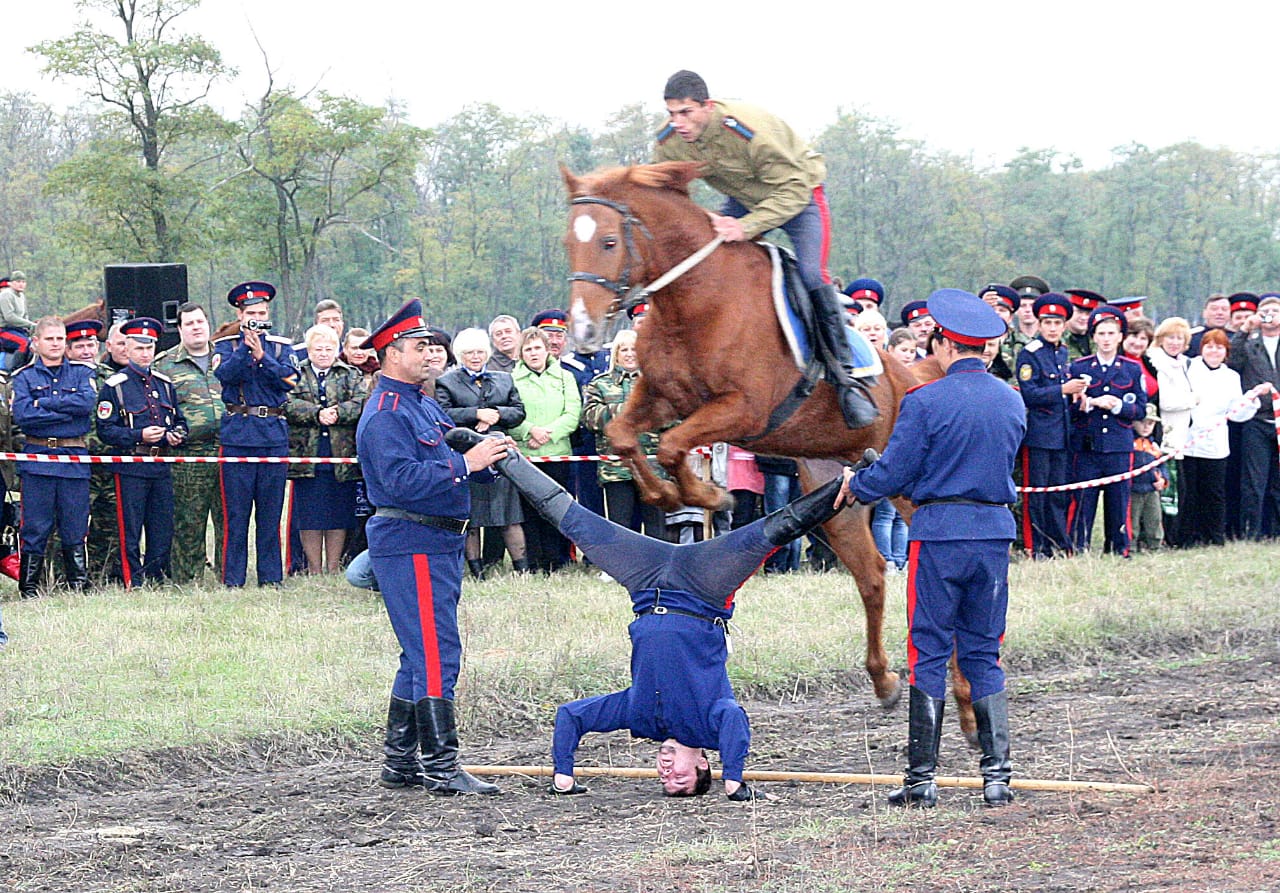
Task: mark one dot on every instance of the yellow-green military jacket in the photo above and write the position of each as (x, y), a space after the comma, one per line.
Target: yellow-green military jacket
(753, 157)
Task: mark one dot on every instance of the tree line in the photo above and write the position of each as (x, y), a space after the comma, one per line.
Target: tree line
(327, 196)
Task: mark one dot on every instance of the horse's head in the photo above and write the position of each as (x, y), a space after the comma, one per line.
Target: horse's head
(609, 244)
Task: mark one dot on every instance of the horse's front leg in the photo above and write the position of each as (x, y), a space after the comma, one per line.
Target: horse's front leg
(721, 419)
(624, 439)
(964, 702)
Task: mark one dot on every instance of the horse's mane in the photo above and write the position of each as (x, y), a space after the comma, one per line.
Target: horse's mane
(675, 175)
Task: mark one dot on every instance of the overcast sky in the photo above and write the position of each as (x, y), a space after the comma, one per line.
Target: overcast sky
(978, 79)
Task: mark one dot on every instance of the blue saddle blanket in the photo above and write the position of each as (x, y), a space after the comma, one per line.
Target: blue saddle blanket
(866, 360)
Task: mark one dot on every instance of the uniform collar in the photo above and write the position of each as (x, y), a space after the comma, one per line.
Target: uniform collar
(400, 387)
(138, 370)
(967, 364)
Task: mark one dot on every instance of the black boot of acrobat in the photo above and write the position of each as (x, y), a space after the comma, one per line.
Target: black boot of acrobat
(75, 563)
(992, 714)
(799, 516)
(401, 767)
(549, 498)
(925, 735)
(856, 404)
(438, 740)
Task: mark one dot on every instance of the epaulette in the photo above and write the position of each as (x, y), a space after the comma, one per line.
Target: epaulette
(1033, 345)
(280, 339)
(92, 367)
(31, 362)
(1128, 359)
(572, 362)
(235, 337)
(160, 375)
(665, 132)
(739, 128)
(1197, 330)
(383, 402)
(118, 379)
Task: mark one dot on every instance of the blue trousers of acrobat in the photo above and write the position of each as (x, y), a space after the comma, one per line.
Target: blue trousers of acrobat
(421, 594)
(1088, 466)
(47, 499)
(957, 598)
(713, 569)
(810, 234)
(251, 488)
(1047, 512)
(145, 503)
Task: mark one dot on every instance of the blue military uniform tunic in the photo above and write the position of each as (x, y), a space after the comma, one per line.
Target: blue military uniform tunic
(53, 403)
(408, 467)
(1102, 445)
(132, 400)
(952, 453)
(255, 392)
(1042, 369)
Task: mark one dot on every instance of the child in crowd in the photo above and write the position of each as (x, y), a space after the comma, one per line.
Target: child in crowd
(1148, 529)
(902, 344)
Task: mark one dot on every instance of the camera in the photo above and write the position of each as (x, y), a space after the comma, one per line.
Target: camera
(257, 325)
(1268, 316)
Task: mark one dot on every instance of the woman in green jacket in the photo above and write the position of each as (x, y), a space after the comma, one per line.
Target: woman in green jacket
(323, 409)
(553, 408)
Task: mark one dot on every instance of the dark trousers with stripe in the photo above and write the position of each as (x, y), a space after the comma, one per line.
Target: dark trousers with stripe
(810, 234)
(1259, 481)
(48, 500)
(1044, 515)
(957, 599)
(1115, 502)
(258, 489)
(144, 503)
(421, 594)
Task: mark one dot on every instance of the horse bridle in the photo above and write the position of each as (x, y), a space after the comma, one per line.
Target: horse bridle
(625, 296)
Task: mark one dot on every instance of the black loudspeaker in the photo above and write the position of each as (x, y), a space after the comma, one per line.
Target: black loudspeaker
(155, 290)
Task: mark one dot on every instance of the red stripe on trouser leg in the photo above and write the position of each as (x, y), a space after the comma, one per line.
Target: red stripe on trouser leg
(824, 214)
(913, 560)
(1128, 513)
(226, 532)
(1027, 546)
(124, 549)
(286, 533)
(427, 620)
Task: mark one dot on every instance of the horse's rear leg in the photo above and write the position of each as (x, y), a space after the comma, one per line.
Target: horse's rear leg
(964, 702)
(849, 535)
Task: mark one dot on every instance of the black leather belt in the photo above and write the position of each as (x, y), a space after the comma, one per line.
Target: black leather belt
(56, 443)
(453, 525)
(663, 609)
(957, 500)
(257, 412)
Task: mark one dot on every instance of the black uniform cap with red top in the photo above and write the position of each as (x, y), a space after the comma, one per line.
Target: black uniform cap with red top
(246, 294)
(407, 322)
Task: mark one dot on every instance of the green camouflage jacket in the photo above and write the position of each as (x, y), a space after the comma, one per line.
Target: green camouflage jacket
(344, 389)
(199, 397)
(603, 399)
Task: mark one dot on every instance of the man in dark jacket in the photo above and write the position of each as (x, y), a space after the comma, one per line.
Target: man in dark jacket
(1253, 355)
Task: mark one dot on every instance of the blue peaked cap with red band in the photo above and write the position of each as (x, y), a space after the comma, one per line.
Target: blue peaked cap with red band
(142, 328)
(964, 317)
(866, 289)
(82, 329)
(246, 294)
(407, 322)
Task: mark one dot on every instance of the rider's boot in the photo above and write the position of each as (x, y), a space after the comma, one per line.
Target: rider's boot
(854, 395)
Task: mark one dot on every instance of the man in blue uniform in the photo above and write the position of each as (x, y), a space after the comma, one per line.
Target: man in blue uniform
(53, 406)
(682, 596)
(952, 453)
(1102, 431)
(138, 415)
(1047, 391)
(257, 372)
(416, 538)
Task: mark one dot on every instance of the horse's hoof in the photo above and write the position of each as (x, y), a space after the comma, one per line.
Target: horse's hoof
(889, 701)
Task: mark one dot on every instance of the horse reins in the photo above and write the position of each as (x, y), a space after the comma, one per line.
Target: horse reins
(626, 295)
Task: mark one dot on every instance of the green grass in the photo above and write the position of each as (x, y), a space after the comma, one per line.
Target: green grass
(114, 671)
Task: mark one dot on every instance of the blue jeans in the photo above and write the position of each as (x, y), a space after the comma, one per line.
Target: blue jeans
(779, 489)
(360, 572)
(890, 533)
(810, 234)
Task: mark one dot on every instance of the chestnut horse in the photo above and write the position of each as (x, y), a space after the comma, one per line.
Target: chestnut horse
(716, 363)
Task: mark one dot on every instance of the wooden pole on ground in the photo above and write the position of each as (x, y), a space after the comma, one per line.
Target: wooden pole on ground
(943, 781)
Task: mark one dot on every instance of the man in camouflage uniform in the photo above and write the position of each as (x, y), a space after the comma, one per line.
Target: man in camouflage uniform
(771, 179)
(104, 536)
(197, 498)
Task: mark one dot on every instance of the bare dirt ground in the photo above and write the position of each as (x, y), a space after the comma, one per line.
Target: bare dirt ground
(1203, 730)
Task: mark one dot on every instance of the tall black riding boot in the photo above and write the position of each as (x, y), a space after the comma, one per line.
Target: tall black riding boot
(75, 564)
(549, 498)
(992, 713)
(438, 739)
(799, 516)
(856, 405)
(925, 724)
(30, 567)
(401, 767)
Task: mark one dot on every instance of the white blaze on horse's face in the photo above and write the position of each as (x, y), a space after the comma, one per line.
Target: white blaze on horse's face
(585, 332)
(584, 227)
